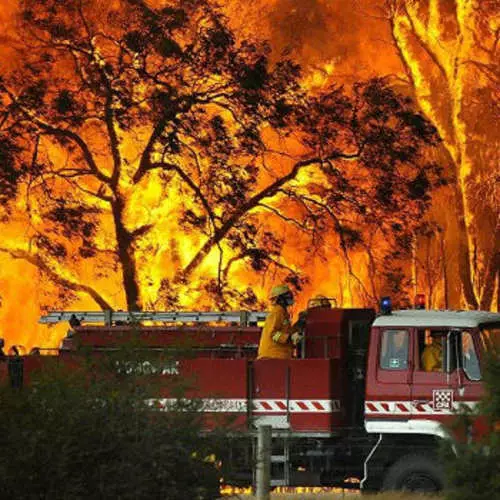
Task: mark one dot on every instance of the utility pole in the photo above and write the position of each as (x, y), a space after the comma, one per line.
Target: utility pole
(263, 466)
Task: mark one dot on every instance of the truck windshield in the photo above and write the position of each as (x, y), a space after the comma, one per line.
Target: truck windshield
(490, 338)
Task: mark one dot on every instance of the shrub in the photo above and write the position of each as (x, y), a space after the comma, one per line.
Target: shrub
(87, 432)
(473, 468)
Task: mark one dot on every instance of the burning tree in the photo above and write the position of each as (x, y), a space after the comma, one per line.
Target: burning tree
(450, 51)
(153, 145)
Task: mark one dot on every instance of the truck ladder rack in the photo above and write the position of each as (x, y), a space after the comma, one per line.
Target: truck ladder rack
(244, 318)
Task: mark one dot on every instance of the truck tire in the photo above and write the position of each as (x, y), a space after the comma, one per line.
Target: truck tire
(415, 473)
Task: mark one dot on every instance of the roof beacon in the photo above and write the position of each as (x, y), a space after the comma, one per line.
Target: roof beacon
(385, 305)
(420, 301)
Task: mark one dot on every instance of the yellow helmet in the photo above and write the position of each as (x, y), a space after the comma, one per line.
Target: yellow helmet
(318, 301)
(279, 290)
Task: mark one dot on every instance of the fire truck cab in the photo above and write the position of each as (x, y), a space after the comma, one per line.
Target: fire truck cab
(408, 403)
(356, 407)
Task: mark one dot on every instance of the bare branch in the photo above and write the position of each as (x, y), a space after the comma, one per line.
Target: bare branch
(492, 72)
(140, 231)
(69, 283)
(187, 179)
(292, 220)
(145, 163)
(421, 36)
(109, 114)
(60, 132)
(97, 194)
(250, 204)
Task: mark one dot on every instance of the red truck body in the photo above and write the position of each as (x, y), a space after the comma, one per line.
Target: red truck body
(342, 408)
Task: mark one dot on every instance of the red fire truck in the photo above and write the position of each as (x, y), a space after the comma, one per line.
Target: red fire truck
(356, 405)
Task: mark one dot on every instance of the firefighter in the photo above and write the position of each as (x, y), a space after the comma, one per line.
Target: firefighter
(320, 301)
(277, 339)
(432, 357)
(74, 321)
(317, 302)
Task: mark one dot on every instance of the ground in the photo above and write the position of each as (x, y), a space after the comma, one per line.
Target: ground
(338, 495)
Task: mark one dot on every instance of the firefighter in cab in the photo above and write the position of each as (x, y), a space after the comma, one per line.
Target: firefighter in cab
(432, 357)
(277, 339)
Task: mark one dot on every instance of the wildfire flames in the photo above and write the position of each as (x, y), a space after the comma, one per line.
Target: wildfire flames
(88, 221)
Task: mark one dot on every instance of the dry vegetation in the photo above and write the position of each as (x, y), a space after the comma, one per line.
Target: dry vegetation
(340, 495)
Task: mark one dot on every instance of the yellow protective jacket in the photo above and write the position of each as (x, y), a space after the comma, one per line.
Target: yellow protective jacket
(432, 357)
(275, 338)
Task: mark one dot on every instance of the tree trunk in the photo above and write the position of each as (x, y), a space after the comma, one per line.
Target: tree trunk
(444, 263)
(464, 264)
(436, 62)
(498, 291)
(414, 268)
(491, 273)
(126, 255)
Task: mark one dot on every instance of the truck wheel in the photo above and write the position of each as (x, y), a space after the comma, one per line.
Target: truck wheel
(415, 473)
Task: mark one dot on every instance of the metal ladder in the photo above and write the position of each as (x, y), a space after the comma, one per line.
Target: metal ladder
(243, 318)
(280, 461)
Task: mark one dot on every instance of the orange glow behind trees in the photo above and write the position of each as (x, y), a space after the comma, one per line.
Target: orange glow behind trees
(160, 155)
(451, 52)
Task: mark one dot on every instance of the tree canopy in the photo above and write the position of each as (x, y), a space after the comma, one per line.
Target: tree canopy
(158, 148)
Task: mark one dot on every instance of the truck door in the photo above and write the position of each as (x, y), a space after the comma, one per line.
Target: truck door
(435, 377)
(387, 395)
(359, 334)
(469, 387)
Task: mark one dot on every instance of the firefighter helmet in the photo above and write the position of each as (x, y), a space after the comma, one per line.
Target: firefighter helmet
(279, 290)
(319, 301)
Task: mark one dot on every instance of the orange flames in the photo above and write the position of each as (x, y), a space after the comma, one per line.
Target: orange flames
(340, 43)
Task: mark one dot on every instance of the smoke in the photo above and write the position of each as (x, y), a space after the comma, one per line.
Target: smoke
(306, 28)
(350, 35)
(8, 11)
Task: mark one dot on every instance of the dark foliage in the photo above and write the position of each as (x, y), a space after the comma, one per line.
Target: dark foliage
(10, 171)
(88, 433)
(473, 467)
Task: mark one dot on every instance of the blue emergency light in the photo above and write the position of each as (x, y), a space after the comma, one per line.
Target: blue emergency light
(385, 305)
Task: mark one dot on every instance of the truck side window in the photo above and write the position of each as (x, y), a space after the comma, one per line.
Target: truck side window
(431, 350)
(470, 361)
(394, 350)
